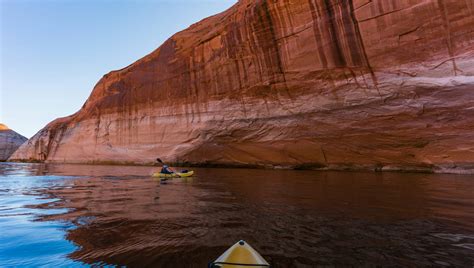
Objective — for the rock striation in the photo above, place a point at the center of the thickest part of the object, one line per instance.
(329, 84)
(9, 142)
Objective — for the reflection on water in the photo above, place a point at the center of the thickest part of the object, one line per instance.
(121, 216)
(25, 241)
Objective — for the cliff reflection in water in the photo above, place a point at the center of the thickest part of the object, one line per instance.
(294, 218)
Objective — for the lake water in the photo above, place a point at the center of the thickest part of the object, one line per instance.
(77, 215)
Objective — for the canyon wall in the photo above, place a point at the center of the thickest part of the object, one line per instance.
(9, 142)
(325, 84)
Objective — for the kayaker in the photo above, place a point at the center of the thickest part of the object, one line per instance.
(166, 170)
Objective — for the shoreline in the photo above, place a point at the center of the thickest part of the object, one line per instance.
(455, 169)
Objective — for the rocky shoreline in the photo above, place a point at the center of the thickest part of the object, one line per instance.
(460, 169)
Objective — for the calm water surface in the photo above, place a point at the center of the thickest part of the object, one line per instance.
(75, 215)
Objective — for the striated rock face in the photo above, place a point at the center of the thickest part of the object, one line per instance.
(326, 84)
(9, 142)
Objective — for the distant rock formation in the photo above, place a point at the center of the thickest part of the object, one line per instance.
(328, 84)
(9, 142)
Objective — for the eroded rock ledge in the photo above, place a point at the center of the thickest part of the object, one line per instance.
(379, 85)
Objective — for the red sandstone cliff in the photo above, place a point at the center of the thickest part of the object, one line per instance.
(303, 83)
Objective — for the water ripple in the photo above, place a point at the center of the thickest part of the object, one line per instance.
(120, 216)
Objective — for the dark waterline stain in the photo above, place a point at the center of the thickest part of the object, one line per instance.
(121, 216)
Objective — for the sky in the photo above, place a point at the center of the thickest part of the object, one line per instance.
(53, 52)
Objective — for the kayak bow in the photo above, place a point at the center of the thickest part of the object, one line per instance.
(241, 254)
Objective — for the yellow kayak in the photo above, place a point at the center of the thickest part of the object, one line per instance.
(173, 175)
(241, 254)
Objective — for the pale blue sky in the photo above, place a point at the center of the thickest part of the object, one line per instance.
(53, 52)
